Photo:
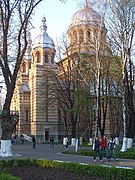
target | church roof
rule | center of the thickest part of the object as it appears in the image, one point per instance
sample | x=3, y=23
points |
x=43, y=40
x=86, y=16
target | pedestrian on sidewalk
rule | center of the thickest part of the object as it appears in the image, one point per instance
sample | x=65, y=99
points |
x=34, y=142
x=111, y=145
x=51, y=142
x=104, y=147
x=22, y=138
x=66, y=140
x=15, y=139
x=96, y=148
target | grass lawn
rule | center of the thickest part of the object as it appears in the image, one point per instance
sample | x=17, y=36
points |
x=129, y=154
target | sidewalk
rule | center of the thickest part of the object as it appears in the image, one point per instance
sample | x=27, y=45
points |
x=43, y=151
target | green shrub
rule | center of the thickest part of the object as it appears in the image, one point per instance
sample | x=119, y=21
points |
x=129, y=154
x=5, y=176
x=106, y=172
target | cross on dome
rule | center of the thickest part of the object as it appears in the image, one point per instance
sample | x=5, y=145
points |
x=86, y=3
x=43, y=25
x=92, y=3
x=43, y=40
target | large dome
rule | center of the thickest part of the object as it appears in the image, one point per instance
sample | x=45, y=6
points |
x=86, y=15
x=43, y=40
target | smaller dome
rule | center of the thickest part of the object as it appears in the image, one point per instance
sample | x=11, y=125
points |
x=43, y=40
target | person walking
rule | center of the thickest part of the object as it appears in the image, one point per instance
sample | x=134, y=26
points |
x=15, y=139
x=96, y=148
x=22, y=138
x=51, y=142
x=34, y=142
x=111, y=145
x=66, y=142
x=104, y=147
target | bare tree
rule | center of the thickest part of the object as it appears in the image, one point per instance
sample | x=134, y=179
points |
x=70, y=89
x=96, y=62
x=15, y=22
x=120, y=23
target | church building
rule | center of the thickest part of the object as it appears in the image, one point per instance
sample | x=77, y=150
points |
x=35, y=116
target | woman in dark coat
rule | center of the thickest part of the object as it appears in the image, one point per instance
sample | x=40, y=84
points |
x=97, y=149
x=34, y=142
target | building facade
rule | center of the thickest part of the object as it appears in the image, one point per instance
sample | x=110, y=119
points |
x=28, y=99
x=36, y=116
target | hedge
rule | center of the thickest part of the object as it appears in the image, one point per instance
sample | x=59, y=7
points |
x=108, y=173
x=129, y=154
x=6, y=176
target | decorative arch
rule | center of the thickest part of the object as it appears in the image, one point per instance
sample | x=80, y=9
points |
x=46, y=58
x=88, y=35
x=24, y=67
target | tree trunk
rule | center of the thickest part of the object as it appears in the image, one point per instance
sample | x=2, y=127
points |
x=117, y=140
x=129, y=102
x=73, y=129
x=8, y=124
x=73, y=122
x=131, y=128
x=129, y=143
x=124, y=145
x=6, y=148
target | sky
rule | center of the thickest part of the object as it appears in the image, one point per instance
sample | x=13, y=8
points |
x=58, y=16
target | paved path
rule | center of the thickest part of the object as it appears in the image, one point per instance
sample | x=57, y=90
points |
x=43, y=151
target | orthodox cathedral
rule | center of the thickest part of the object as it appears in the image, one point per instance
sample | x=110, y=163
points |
x=35, y=118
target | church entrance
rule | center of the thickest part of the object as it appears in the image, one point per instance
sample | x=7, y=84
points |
x=46, y=135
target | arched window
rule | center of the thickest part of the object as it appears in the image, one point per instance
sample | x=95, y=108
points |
x=52, y=59
x=38, y=57
x=74, y=37
x=46, y=58
x=81, y=36
x=88, y=35
x=26, y=115
x=24, y=67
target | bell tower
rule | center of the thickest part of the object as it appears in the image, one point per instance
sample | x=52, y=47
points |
x=43, y=53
